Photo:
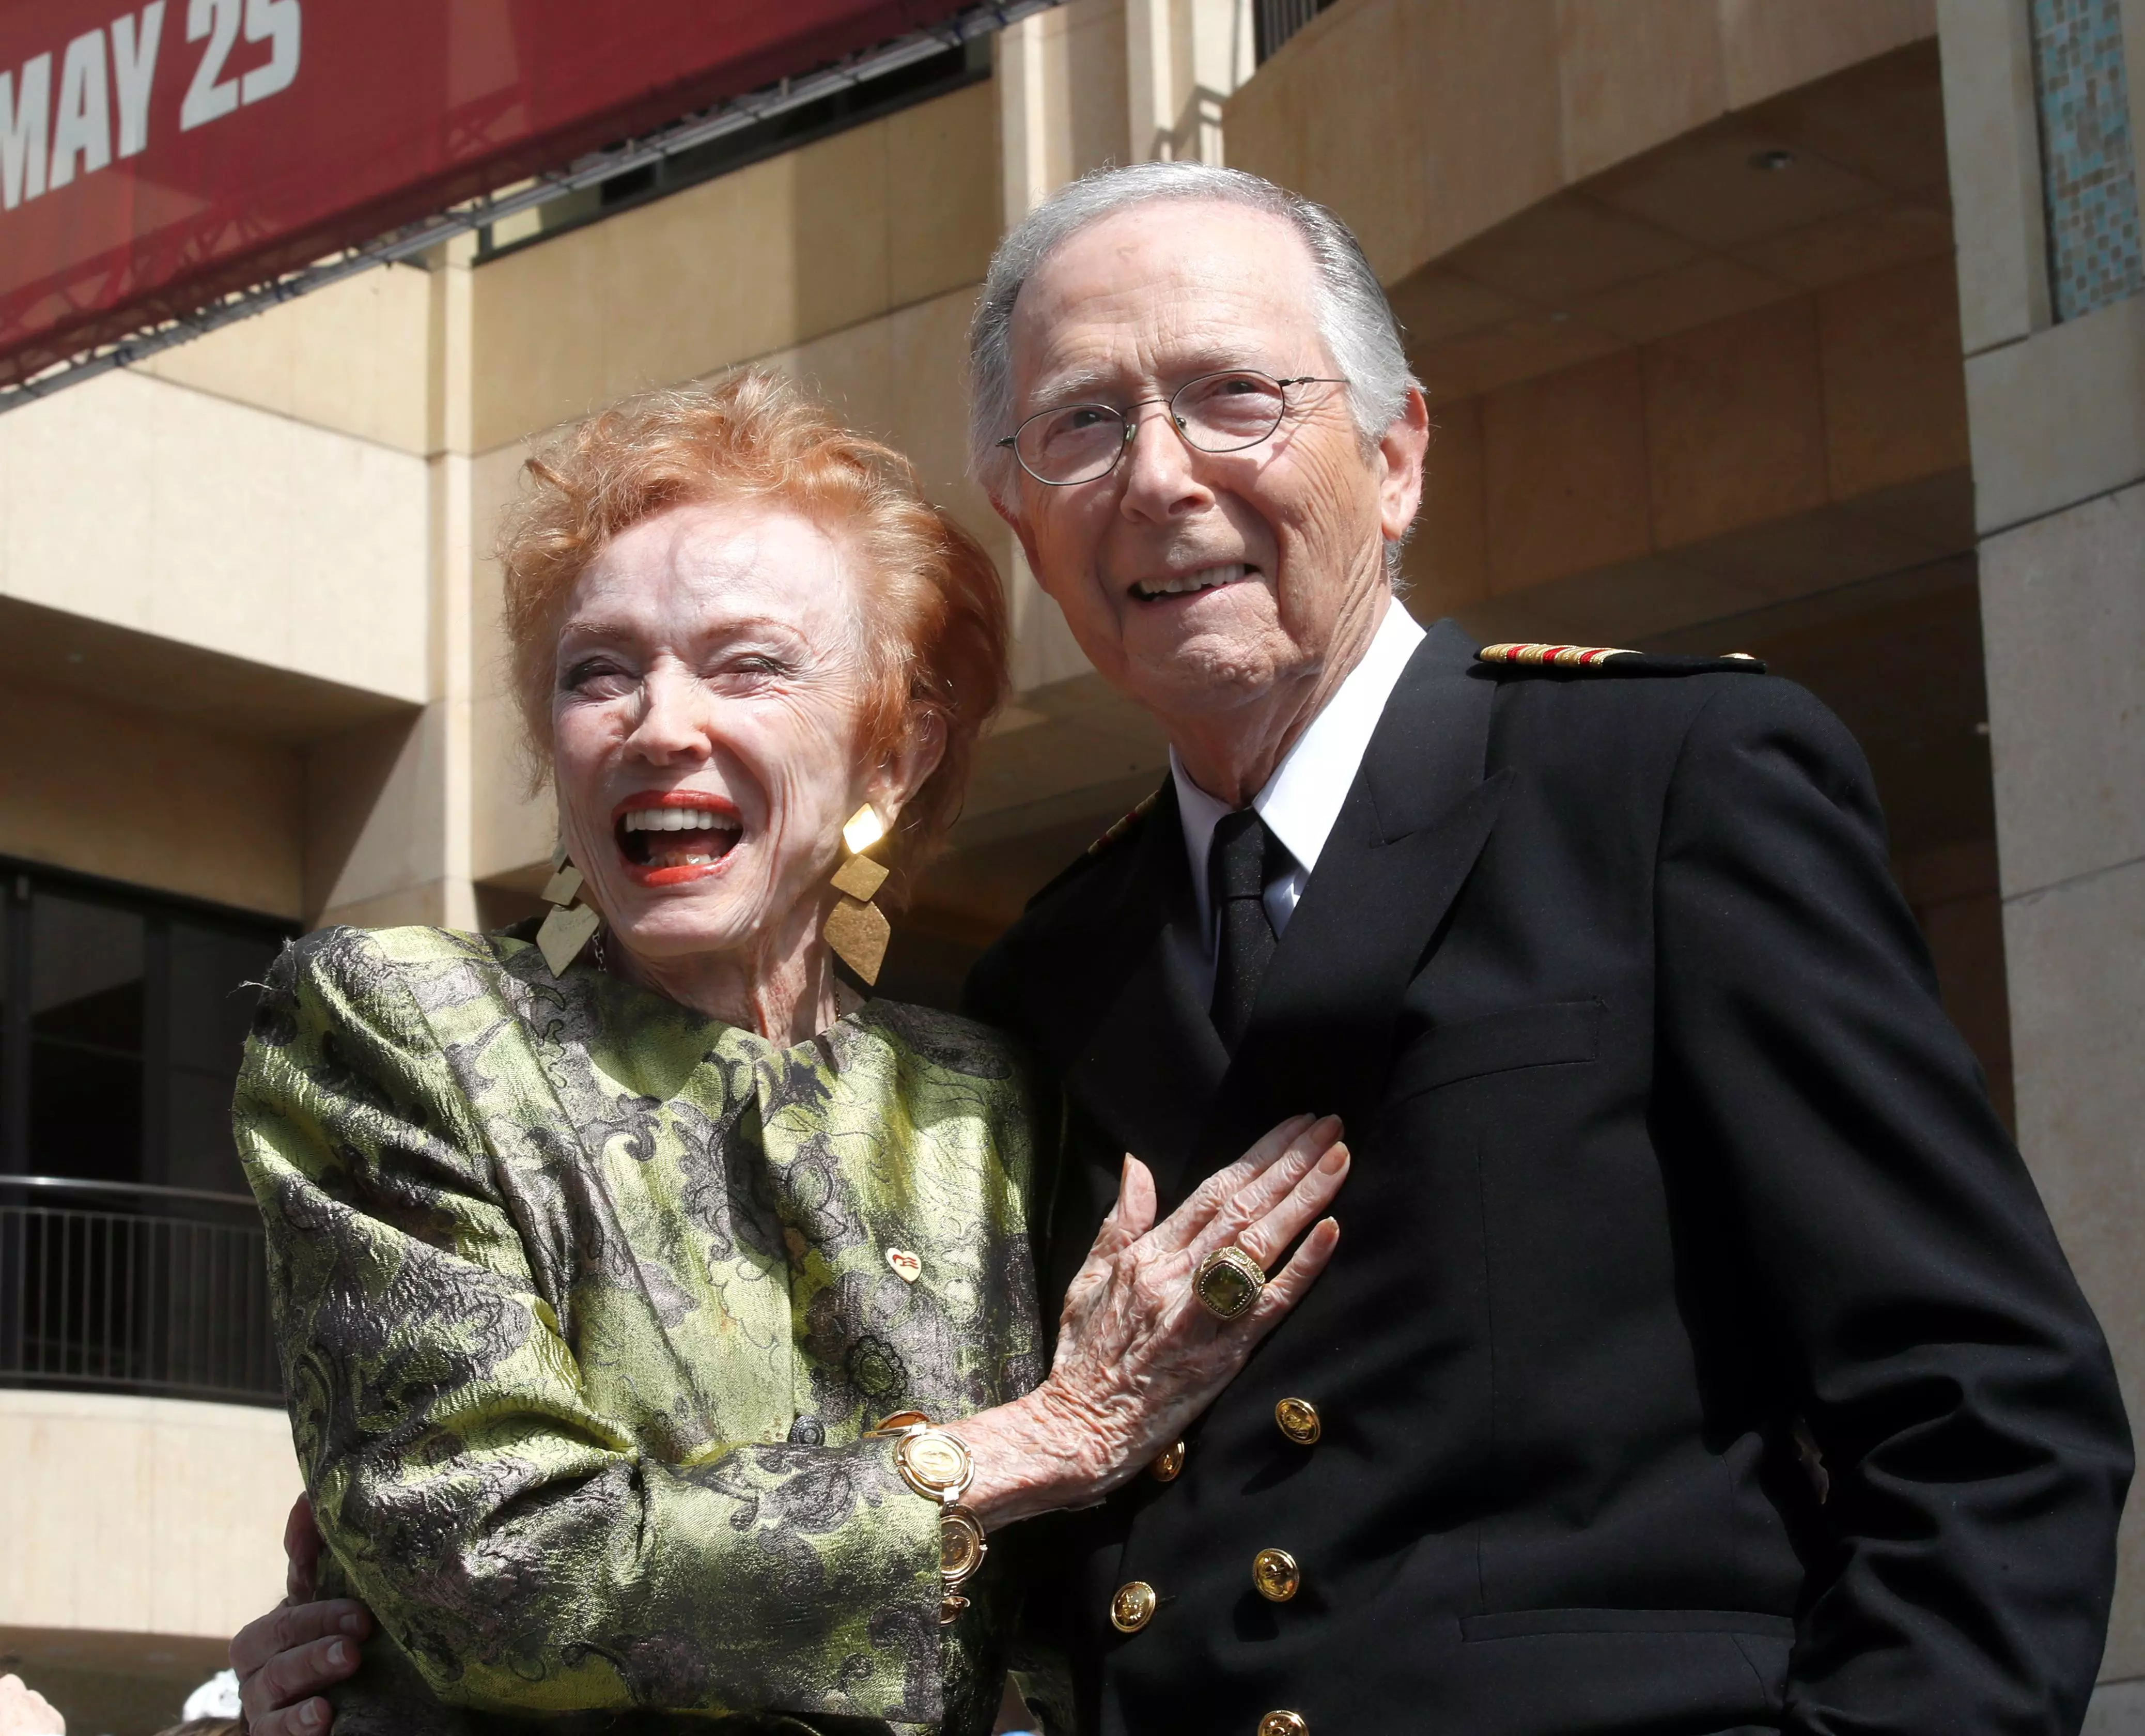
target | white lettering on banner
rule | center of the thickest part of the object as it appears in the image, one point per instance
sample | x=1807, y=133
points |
x=211, y=97
x=44, y=145
x=82, y=128
x=25, y=108
x=274, y=22
x=133, y=71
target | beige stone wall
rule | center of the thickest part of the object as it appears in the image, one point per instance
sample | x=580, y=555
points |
x=211, y=523
x=144, y=1516
x=1427, y=125
x=843, y=231
x=1808, y=442
x=214, y=815
x=353, y=357
x=207, y=566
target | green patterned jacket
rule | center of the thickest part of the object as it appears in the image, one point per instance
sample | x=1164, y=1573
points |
x=585, y=1304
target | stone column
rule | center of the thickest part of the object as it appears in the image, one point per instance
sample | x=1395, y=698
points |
x=1183, y=60
x=388, y=805
x=2057, y=407
x=1061, y=77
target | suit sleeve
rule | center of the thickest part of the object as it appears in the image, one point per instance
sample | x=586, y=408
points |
x=520, y=1549
x=1950, y=1370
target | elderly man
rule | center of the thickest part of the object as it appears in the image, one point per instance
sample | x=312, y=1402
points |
x=1697, y=1356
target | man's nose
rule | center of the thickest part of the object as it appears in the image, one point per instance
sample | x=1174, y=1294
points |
x=674, y=722
x=1161, y=476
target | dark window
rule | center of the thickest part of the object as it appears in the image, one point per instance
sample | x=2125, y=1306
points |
x=122, y=1017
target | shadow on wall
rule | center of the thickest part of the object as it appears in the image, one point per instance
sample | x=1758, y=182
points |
x=364, y=808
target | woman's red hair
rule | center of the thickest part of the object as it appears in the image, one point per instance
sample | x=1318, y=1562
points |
x=935, y=634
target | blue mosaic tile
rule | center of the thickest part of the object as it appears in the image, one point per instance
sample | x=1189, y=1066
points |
x=2089, y=175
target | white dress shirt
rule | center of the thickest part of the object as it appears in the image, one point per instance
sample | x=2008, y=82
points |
x=1302, y=799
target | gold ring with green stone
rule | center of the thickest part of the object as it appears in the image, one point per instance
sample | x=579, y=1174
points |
x=1228, y=1282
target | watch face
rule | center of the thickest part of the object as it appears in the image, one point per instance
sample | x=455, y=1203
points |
x=961, y=1545
x=934, y=1461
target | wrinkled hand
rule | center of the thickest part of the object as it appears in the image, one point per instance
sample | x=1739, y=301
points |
x=24, y=1712
x=285, y=1657
x=1139, y=1356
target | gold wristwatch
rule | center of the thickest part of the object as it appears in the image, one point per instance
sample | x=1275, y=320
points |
x=937, y=1465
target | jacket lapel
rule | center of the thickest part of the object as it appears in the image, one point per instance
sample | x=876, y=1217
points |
x=1138, y=1052
x=1415, y=819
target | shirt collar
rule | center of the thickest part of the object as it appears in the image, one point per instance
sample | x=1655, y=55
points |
x=1302, y=800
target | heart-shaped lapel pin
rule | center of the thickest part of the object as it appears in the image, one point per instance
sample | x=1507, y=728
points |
x=905, y=1263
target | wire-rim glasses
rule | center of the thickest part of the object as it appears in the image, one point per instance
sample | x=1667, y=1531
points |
x=1221, y=412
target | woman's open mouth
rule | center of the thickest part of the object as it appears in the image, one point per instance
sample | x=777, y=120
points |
x=670, y=836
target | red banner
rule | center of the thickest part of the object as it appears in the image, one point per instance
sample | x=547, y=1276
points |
x=156, y=153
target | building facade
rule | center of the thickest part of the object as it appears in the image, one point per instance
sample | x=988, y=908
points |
x=1810, y=328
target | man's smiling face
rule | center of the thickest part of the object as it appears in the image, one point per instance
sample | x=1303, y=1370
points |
x=1195, y=582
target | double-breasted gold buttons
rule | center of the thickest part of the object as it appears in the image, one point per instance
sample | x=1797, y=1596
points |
x=1167, y=1463
x=1298, y=1420
x=1283, y=1723
x=1133, y=1606
x=1275, y=1576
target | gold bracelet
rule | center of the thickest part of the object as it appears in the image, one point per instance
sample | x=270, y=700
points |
x=939, y=1467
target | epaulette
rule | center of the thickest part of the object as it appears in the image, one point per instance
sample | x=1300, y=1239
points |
x=1133, y=816
x=1610, y=660
x=1088, y=858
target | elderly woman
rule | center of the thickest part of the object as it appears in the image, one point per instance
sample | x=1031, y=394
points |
x=659, y=1317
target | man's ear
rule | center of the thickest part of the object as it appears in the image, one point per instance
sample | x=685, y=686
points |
x=895, y=784
x=1022, y=534
x=1401, y=453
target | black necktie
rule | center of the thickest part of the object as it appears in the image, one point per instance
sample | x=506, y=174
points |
x=1244, y=858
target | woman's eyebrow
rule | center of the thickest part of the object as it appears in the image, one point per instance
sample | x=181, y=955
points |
x=598, y=632
x=584, y=633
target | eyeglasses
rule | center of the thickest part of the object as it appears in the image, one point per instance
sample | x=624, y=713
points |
x=1223, y=412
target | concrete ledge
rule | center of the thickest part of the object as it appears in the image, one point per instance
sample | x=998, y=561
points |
x=2059, y=418
x=138, y=1515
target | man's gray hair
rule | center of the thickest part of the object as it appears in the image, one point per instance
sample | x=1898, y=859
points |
x=1354, y=317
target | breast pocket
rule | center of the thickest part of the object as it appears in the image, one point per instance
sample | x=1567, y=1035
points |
x=1555, y=1035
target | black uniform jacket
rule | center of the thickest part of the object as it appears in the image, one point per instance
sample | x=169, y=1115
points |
x=1666, y=1155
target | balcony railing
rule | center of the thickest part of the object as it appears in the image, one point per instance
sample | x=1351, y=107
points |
x=109, y=1286
x=1274, y=22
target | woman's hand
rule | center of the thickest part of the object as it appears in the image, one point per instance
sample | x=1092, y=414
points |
x=1139, y=1356
x=24, y=1712
x=286, y=1657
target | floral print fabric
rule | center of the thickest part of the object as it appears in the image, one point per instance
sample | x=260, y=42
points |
x=585, y=1305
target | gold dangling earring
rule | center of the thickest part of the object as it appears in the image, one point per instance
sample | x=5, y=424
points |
x=856, y=927
x=568, y=927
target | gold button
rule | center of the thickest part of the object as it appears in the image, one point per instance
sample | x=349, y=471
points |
x=1168, y=1463
x=1298, y=1419
x=1133, y=1607
x=1283, y=1723
x=1275, y=1575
